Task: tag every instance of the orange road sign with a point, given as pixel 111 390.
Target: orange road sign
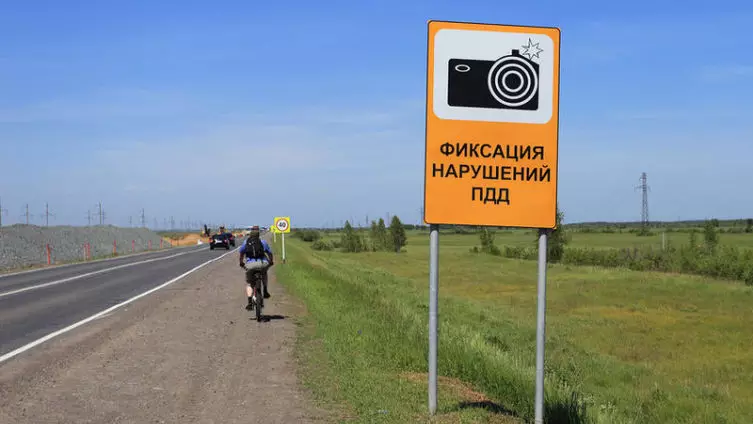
pixel 492 124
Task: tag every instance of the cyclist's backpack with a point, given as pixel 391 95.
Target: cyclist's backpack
pixel 254 248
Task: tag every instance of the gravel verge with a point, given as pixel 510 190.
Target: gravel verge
pixel 23 246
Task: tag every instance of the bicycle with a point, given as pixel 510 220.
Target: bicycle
pixel 258 293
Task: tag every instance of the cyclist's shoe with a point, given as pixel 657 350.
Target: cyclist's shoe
pixel 250 307
pixel 267 295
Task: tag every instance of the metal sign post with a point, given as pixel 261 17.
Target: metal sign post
pixel 433 305
pixel 541 328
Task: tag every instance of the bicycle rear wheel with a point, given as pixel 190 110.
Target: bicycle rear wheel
pixel 259 297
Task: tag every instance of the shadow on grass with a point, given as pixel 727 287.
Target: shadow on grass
pixel 570 411
pixel 564 412
pixel 488 405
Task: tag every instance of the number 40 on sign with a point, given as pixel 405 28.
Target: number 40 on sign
pixel 281 225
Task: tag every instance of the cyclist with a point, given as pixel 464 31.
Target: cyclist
pixel 255 257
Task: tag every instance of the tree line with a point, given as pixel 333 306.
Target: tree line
pixel 379 238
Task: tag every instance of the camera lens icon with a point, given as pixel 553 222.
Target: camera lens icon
pixel 510 82
pixel 513 81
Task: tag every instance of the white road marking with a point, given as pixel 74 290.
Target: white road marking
pixel 52 335
pixel 89 274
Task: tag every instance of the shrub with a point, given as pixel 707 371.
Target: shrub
pixel 557 240
pixel 710 236
pixel 519 252
pixel 322 245
pixel 398 238
pixel 644 232
pixel 378 235
pixel 486 237
pixel 351 241
pixel 749 276
pixel 310 235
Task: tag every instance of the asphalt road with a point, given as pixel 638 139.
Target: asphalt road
pixel 34 304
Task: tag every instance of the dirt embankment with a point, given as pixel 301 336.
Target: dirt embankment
pixel 186 239
pixel 24 246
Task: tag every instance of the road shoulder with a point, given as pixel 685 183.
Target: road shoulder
pixel 187 352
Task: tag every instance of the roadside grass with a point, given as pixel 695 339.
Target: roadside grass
pixel 363 350
pixel 622 346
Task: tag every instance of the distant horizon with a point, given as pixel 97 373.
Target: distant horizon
pixel 722 221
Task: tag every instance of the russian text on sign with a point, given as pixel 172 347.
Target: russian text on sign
pixel 491 195
pixel 497 151
pixel 493 172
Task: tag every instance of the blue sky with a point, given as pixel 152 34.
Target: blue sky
pixel 133 104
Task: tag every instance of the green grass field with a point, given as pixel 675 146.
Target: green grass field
pixel 629 347
pixel 583 240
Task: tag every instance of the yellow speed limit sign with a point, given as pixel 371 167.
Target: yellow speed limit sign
pixel 281 224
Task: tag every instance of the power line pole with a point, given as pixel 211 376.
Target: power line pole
pixel 644 191
pixel 130 221
pixel 89 218
pixel 2 211
pixel 47 215
pixel 27 214
pixel 101 214
pixel 143 218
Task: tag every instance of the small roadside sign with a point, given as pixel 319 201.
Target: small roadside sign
pixel 282 224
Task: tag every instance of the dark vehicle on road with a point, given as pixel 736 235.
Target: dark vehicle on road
pixel 219 240
pixel 231 238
